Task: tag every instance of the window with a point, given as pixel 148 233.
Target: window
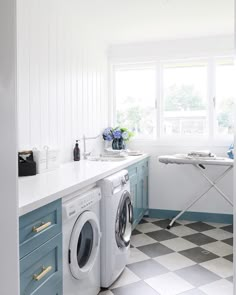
pixel 185 99
pixel 176 98
pixel 225 97
pixel 135 93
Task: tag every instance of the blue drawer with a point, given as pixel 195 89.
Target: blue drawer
pixel 41 270
pixel 39 226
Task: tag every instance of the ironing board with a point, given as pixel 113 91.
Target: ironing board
pixel 199 163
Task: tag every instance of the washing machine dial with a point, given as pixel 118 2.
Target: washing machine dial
pixel 123 180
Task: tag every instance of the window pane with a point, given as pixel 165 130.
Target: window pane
pixel 225 97
pixel 185 99
pixel 135 100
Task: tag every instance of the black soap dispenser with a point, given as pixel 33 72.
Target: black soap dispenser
pixel 77 151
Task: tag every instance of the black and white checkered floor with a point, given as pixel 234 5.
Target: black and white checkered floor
pixel 192 258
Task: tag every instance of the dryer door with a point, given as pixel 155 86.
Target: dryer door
pixel 124 220
pixel 84 244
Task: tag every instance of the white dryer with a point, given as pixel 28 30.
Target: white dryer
pixel 81 243
pixel 116 226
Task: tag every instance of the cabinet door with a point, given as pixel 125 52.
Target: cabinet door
pixel 140 196
pixel 144 180
pixel 145 188
pixel 134 197
pixel 138 174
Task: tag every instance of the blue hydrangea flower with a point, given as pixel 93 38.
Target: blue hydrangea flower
pixel 125 135
pixel 109 137
pixel 107 134
pixel 117 133
pixel 231 151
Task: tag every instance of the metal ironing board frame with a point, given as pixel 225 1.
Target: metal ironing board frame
pixel 199 165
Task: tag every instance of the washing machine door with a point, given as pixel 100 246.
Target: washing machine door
pixel 124 220
pixel 84 244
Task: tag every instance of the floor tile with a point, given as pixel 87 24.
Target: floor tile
pixel 219 248
pixel 147 227
pixel 141 240
pixel 197 275
pixel 191 257
pixel 164 223
pixel 221 287
pixel 126 278
pixel 228 241
pixel 218 234
pixel 149 219
pixel 136 256
pixel 184 222
pixel 174 261
pixel 229 257
pixel 135 232
pixel 182 231
pixel 193 292
pixel 218 225
pixel 228 228
pixel 219 266
pixel 106 292
pixel 161 235
pixel 178 244
pixel 200 226
pixel 147 269
pixel 139 288
pixel 142 221
pixel 198 254
pixel 169 284
pixel 199 239
pixel 155 250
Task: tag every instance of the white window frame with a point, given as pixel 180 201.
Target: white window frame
pixel 211 138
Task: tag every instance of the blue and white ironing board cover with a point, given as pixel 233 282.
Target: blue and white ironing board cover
pixel 185 159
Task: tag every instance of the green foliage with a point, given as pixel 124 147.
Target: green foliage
pixel 183 98
pixel 225 116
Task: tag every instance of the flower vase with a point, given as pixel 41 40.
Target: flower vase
pixel 118 144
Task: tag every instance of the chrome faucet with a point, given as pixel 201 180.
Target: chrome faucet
pixel 85 153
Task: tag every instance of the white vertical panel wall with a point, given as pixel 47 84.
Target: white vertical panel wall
pixel 9 246
pixel 62 75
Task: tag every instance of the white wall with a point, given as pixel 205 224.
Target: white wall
pixel 8 170
pixel 62 68
pixel 172 186
pixel 172 49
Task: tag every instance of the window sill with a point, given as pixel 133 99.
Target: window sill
pixel 185 142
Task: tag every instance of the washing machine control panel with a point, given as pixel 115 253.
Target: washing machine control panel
pixel 81 203
pixel 125 179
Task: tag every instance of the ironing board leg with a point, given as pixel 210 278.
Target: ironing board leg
pixel 212 184
pixel 187 207
pixel 215 186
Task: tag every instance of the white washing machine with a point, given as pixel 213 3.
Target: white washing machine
pixel 116 226
pixel 81 243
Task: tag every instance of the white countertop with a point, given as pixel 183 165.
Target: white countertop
pixel 41 189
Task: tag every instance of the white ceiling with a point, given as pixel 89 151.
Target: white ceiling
pixel 122 21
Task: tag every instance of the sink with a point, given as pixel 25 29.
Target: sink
pixel 106 159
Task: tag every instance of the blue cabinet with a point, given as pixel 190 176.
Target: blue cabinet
pixel 138 174
pixel 41 251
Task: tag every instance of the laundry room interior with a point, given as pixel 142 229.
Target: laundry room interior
pixel 117 142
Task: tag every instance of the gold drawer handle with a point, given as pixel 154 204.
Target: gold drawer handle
pixel 41 227
pixel 43 273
